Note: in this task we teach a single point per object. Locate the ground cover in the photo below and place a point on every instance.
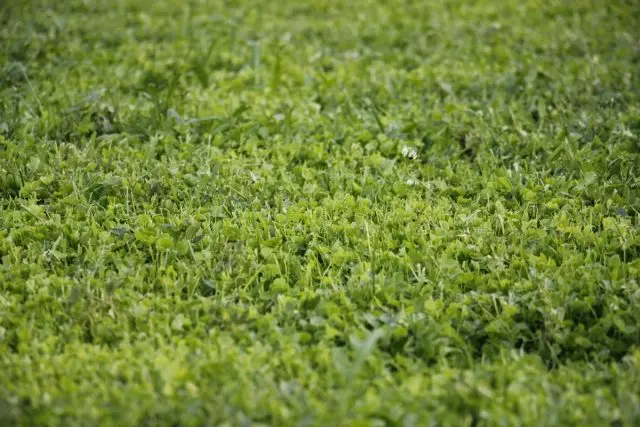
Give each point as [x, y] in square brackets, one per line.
[319, 213]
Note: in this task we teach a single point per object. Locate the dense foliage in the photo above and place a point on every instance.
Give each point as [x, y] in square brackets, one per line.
[349, 212]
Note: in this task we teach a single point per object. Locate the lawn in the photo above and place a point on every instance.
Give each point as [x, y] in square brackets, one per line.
[317, 213]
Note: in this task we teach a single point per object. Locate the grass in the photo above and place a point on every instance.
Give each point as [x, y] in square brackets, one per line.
[358, 213]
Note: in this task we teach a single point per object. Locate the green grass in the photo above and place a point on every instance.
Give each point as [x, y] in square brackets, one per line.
[313, 213]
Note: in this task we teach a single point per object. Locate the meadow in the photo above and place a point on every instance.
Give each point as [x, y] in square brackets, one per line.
[316, 213]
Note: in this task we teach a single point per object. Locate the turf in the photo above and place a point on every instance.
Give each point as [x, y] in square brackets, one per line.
[312, 213]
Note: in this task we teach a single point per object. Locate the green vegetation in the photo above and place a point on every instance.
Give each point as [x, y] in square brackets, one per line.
[359, 213]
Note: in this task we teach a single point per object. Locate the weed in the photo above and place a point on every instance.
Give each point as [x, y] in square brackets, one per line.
[317, 213]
